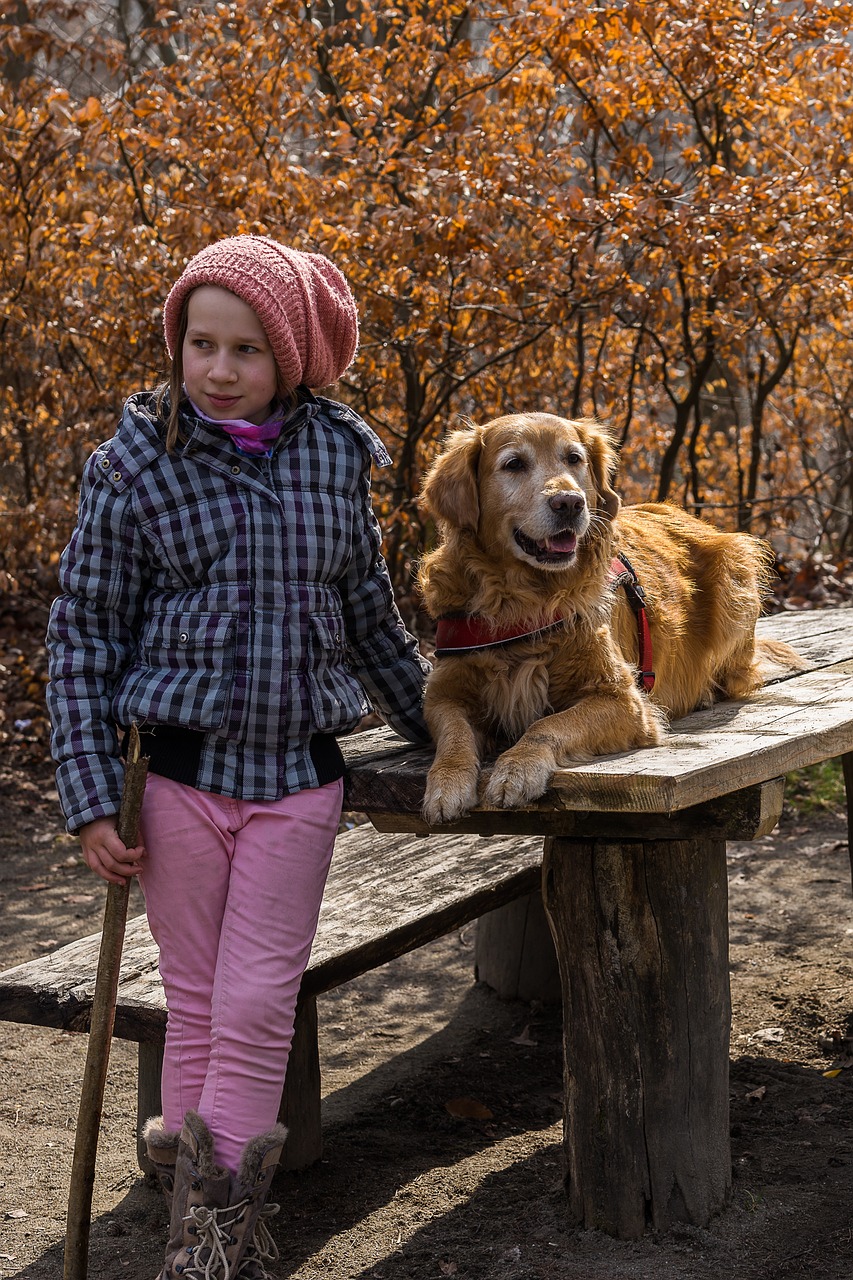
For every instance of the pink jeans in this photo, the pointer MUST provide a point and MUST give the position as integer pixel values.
(232, 891)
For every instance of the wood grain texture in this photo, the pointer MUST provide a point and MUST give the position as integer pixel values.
(514, 952)
(796, 720)
(300, 1103)
(741, 815)
(641, 932)
(384, 897)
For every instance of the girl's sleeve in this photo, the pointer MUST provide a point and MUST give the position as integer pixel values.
(380, 651)
(90, 639)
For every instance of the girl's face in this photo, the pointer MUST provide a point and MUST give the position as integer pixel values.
(229, 368)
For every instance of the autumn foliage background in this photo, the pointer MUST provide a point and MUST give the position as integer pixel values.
(642, 212)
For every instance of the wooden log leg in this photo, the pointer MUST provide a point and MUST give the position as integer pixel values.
(641, 932)
(515, 952)
(300, 1101)
(148, 1102)
(847, 767)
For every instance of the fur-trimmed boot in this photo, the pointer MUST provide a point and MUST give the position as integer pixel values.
(199, 1236)
(162, 1147)
(253, 1246)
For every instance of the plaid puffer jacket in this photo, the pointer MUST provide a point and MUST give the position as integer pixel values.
(243, 597)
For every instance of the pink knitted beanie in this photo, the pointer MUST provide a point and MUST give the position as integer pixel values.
(301, 299)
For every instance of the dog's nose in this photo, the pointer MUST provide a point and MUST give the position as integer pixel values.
(570, 503)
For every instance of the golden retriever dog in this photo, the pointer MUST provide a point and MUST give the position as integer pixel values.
(537, 643)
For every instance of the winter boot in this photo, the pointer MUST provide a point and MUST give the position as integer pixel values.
(252, 1245)
(198, 1233)
(162, 1148)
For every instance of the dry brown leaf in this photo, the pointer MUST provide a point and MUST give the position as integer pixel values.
(468, 1109)
(525, 1039)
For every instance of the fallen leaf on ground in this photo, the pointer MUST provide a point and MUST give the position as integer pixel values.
(757, 1095)
(773, 1035)
(525, 1039)
(468, 1109)
(835, 1045)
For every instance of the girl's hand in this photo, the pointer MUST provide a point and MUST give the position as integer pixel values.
(106, 854)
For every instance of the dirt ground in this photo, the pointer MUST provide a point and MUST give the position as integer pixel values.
(405, 1189)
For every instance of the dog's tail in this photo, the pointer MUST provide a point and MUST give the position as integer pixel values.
(780, 654)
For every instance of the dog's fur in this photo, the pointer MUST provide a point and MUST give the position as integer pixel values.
(529, 522)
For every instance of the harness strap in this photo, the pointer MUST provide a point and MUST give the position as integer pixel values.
(624, 576)
(455, 634)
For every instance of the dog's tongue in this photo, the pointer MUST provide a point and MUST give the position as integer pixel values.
(564, 544)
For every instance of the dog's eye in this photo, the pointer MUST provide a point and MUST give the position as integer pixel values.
(574, 458)
(514, 464)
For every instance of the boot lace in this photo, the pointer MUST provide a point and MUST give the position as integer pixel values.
(260, 1248)
(206, 1260)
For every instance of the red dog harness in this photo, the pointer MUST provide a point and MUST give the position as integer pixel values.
(458, 634)
(622, 575)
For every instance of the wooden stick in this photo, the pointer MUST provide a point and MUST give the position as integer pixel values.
(79, 1216)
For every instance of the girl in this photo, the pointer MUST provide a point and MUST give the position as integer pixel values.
(224, 589)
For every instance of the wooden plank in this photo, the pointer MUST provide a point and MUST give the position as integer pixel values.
(56, 990)
(820, 636)
(740, 815)
(403, 893)
(387, 777)
(384, 897)
(733, 744)
(794, 723)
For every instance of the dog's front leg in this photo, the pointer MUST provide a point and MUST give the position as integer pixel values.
(451, 787)
(598, 724)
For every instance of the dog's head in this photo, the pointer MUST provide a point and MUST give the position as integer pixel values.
(530, 486)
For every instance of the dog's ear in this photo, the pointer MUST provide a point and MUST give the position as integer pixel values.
(603, 460)
(450, 491)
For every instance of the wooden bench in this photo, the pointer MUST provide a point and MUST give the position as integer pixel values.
(633, 879)
(635, 890)
(386, 895)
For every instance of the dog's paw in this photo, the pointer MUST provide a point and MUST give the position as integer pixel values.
(516, 780)
(450, 794)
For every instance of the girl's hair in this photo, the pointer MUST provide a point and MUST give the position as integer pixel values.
(171, 395)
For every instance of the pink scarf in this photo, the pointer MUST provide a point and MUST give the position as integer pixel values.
(249, 437)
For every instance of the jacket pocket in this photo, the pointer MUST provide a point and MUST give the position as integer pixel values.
(183, 673)
(338, 701)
